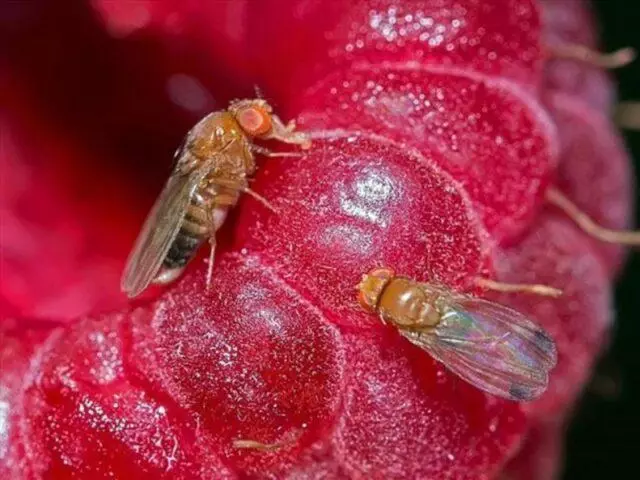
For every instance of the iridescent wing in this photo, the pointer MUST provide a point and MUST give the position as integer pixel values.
(162, 224)
(493, 347)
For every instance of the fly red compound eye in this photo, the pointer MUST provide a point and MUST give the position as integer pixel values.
(254, 120)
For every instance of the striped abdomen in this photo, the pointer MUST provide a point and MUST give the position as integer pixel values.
(194, 231)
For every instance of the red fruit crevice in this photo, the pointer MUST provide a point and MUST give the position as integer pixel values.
(437, 128)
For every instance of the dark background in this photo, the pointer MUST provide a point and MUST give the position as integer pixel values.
(604, 437)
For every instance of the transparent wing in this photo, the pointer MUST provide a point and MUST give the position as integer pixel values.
(161, 227)
(493, 347)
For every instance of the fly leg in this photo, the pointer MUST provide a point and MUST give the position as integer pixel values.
(287, 133)
(212, 248)
(260, 199)
(241, 186)
(212, 255)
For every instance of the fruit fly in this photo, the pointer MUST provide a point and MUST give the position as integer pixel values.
(489, 345)
(211, 170)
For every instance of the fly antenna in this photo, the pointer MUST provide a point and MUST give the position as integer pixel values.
(581, 53)
(258, 91)
(532, 288)
(620, 237)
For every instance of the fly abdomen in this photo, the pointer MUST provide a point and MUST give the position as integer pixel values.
(193, 233)
(184, 247)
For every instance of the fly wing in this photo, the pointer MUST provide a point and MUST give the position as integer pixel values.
(161, 226)
(495, 348)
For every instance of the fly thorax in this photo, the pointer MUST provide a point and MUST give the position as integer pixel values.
(210, 135)
(429, 315)
(407, 305)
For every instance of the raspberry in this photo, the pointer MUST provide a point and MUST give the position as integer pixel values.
(439, 127)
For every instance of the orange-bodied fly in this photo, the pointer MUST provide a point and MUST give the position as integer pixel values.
(211, 171)
(489, 345)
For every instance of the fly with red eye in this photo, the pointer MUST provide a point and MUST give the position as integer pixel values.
(257, 120)
(211, 171)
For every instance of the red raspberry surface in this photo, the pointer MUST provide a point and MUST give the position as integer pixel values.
(437, 124)
(594, 169)
(541, 454)
(556, 253)
(570, 21)
(490, 136)
(499, 38)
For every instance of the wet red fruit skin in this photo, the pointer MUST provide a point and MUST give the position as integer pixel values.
(278, 351)
(570, 21)
(281, 356)
(468, 34)
(594, 169)
(557, 253)
(491, 137)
